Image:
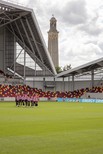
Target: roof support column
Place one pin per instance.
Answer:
(72, 82)
(54, 85)
(34, 74)
(63, 84)
(44, 88)
(68, 83)
(24, 65)
(4, 50)
(35, 66)
(92, 78)
(14, 56)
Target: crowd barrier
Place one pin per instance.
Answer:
(12, 99)
(81, 100)
(7, 99)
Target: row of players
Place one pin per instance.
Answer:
(26, 100)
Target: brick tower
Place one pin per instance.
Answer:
(53, 41)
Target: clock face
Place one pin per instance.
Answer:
(53, 24)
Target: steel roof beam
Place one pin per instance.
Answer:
(31, 32)
(31, 53)
(12, 20)
(27, 35)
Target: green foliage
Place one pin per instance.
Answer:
(58, 69)
(51, 128)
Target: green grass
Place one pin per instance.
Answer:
(51, 128)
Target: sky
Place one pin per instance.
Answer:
(80, 26)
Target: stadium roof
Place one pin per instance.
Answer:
(88, 67)
(22, 23)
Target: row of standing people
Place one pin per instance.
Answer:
(27, 100)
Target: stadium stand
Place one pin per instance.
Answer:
(21, 30)
(14, 90)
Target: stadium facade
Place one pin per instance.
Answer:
(19, 27)
(21, 40)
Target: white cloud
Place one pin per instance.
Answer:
(80, 26)
(74, 12)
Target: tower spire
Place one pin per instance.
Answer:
(53, 41)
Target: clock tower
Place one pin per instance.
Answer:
(53, 41)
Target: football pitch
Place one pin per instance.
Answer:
(51, 128)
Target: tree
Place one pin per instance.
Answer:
(58, 69)
(67, 67)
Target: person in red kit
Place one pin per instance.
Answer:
(36, 99)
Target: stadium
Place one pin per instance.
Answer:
(68, 116)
